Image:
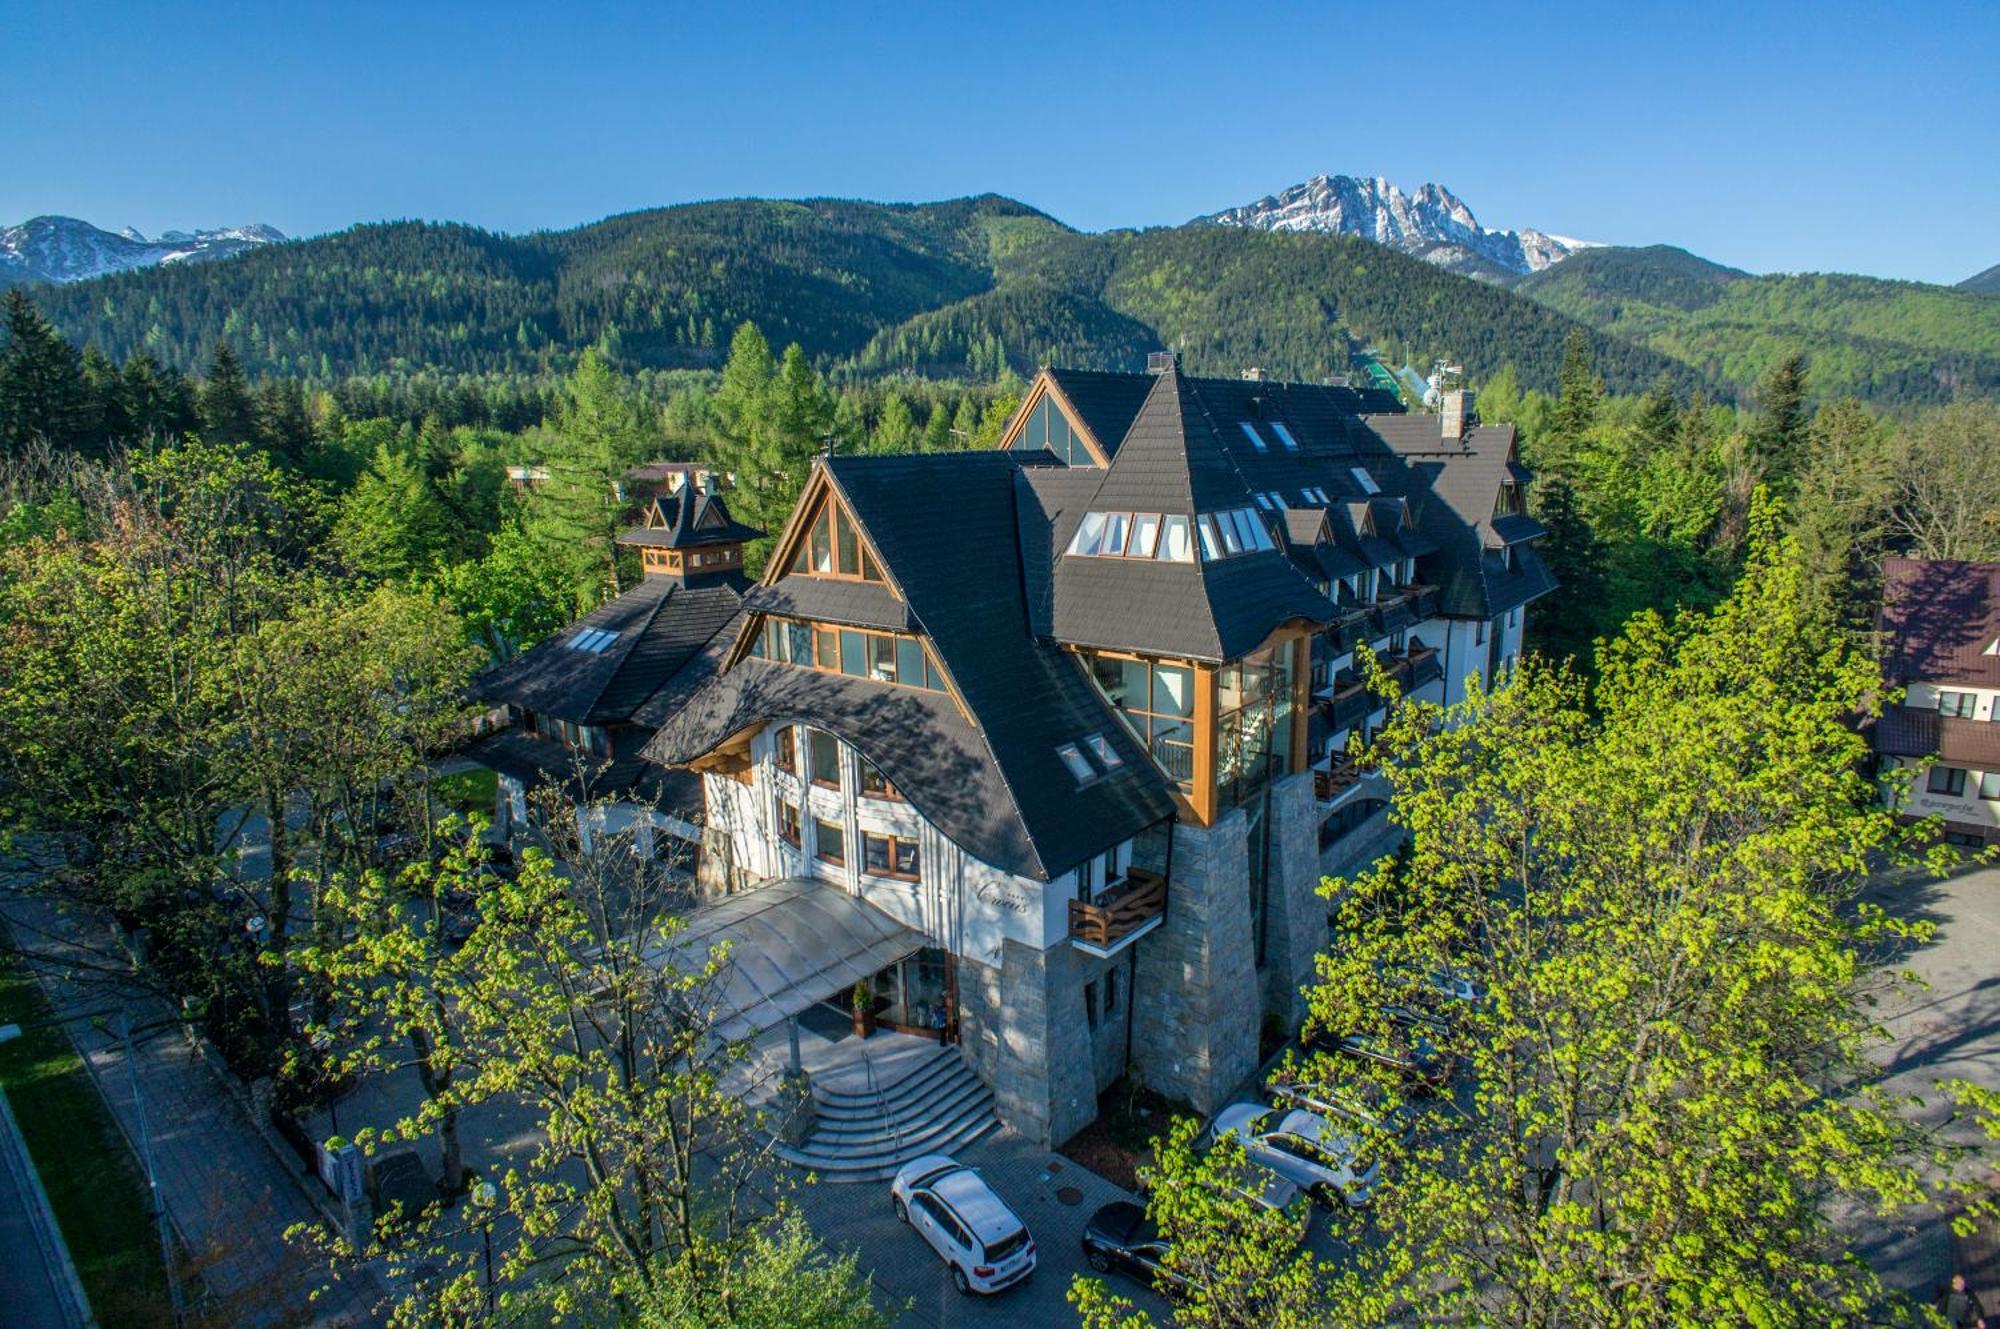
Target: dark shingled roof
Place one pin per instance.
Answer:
(536, 761)
(854, 604)
(689, 519)
(1105, 402)
(945, 527)
(661, 625)
(1940, 621)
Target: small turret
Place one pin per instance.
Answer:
(690, 537)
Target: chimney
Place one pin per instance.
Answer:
(1162, 362)
(1455, 412)
(1253, 374)
(705, 480)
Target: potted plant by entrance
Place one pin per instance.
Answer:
(864, 1009)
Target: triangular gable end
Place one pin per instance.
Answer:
(1030, 430)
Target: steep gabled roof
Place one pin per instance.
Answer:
(1941, 622)
(654, 629)
(1173, 462)
(1105, 403)
(689, 519)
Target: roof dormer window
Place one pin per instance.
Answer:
(1148, 535)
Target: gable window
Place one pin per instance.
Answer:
(825, 759)
(889, 856)
(829, 843)
(1047, 427)
(874, 784)
(1958, 705)
(788, 824)
(1256, 439)
(1284, 436)
(833, 547)
(1947, 780)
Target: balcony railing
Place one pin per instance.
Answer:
(1423, 600)
(1345, 773)
(1119, 912)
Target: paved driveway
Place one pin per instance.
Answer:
(1033, 1182)
(1947, 1029)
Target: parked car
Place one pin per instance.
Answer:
(1394, 1121)
(986, 1246)
(1329, 1162)
(1120, 1238)
(398, 1184)
(1415, 1054)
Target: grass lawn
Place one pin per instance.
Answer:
(468, 791)
(93, 1185)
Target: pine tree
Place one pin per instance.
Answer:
(895, 428)
(44, 397)
(1582, 390)
(574, 516)
(1659, 413)
(1778, 432)
(392, 525)
(937, 429)
(228, 415)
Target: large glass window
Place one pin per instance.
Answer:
(886, 657)
(833, 547)
(1253, 722)
(1959, 705)
(1157, 700)
(825, 759)
(1047, 427)
(1947, 780)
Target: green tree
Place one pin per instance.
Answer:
(44, 395)
(574, 516)
(1564, 623)
(392, 526)
(895, 428)
(228, 411)
(510, 598)
(1840, 513)
(1663, 1087)
(1778, 432)
(1580, 389)
(770, 423)
(1948, 490)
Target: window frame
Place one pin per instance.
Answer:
(896, 844)
(838, 858)
(813, 737)
(1964, 706)
(789, 825)
(1951, 786)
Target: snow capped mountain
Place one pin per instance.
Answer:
(1433, 224)
(63, 249)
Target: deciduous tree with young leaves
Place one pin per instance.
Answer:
(1659, 1091)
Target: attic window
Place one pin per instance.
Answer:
(1365, 480)
(1148, 535)
(1284, 436)
(1227, 534)
(1078, 764)
(1256, 439)
(592, 640)
(1264, 502)
(1277, 500)
(1105, 755)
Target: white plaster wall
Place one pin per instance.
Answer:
(1971, 810)
(1924, 697)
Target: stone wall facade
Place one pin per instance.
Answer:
(1024, 1030)
(1295, 929)
(1195, 1035)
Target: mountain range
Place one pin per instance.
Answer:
(1434, 224)
(64, 249)
(1295, 285)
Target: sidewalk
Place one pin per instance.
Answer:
(229, 1197)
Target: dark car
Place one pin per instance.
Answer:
(1119, 1237)
(399, 1185)
(1412, 1052)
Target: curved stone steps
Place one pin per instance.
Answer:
(940, 1106)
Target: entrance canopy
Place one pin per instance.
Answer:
(793, 943)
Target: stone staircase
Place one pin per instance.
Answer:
(865, 1134)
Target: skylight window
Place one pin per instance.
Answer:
(1101, 749)
(1365, 480)
(1256, 439)
(1277, 501)
(1078, 764)
(1264, 502)
(592, 640)
(1284, 436)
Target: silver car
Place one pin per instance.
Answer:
(1325, 1160)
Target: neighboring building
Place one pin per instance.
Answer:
(580, 705)
(1074, 712)
(1941, 644)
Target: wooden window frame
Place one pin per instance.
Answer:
(834, 513)
(820, 826)
(789, 813)
(894, 841)
(888, 792)
(825, 640)
(813, 736)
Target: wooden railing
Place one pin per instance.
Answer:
(1116, 914)
(1331, 784)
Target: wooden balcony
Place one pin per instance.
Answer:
(1119, 913)
(1344, 774)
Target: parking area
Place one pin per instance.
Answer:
(1053, 1195)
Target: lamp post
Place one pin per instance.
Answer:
(485, 1198)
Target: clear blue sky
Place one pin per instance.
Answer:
(1829, 136)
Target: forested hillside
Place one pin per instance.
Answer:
(1888, 342)
(955, 289)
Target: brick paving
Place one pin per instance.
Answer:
(1030, 1180)
(230, 1198)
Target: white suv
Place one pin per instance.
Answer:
(986, 1246)
(1322, 1159)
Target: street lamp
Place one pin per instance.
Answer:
(485, 1198)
